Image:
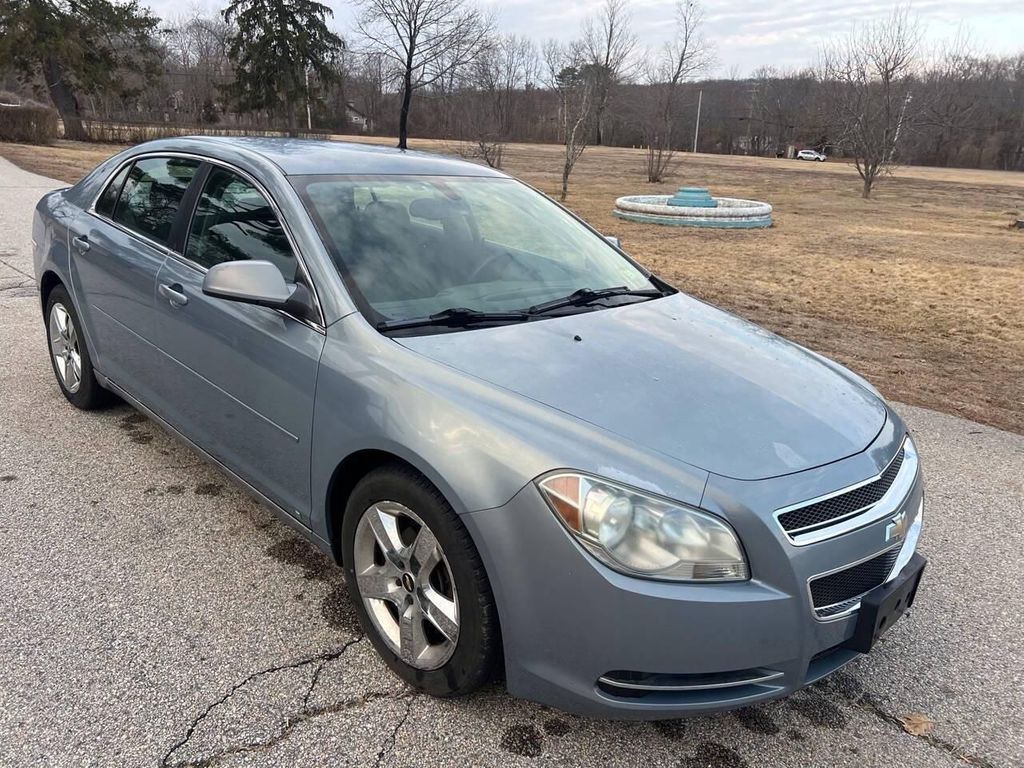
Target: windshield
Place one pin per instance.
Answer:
(413, 246)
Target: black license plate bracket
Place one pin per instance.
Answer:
(882, 607)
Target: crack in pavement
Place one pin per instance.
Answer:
(389, 743)
(866, 702)
(16, 269)
(24, 288)
(290, 724)
(316, 674)
(305, 714)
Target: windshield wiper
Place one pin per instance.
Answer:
(584, 296)
(453, 317)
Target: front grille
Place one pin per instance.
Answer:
(836, 508)
(838, 592)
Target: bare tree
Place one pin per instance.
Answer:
(371, 77)
(507, 68)
(425, 39)
(197, 64)
(1009, 151)
(681, 58)
(871, 71)
(951, 99)
(782, 112)
(609, 45)
(566, 76)
(491, 103)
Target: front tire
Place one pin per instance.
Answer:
(69, 355)
(418, 584)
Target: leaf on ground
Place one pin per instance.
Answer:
(916, 723)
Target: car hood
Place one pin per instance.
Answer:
(680, 377)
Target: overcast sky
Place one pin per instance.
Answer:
(745, 35)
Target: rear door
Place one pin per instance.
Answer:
(244, 376)
(117, 249)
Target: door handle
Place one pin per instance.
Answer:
(81, 243)
(175, 294)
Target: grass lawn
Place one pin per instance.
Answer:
(921, 288)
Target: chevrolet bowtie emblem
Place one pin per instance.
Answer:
(897, 527)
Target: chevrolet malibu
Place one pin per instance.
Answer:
(532, 457)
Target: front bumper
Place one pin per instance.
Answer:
(583, 638)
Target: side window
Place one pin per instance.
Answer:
(233, 220)
(106, 201)
(151, 195)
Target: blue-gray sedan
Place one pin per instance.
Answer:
(530, 455)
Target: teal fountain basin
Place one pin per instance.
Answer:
(692, 197)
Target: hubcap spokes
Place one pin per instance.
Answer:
(406, 585)
(67, 357)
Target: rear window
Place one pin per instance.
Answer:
(106, 202)
(152, 192)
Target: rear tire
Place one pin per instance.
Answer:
(418, 584)
(69, 355)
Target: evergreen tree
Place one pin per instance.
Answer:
(77, 47)
(276, 48)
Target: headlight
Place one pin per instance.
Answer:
(643, 535)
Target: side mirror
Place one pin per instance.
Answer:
(251, 282)
(614, 241)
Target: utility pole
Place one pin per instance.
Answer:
(309, 112)
(696, 129)
(754, 92)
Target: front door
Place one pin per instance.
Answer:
(243, 376)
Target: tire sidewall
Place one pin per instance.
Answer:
(89, 394)
(470, 663)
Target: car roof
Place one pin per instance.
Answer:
(299, 157)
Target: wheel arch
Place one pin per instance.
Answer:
(47, 283)
(344, 479)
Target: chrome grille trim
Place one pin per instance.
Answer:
(839, 610)
(759, 677)
(910, 543)
(845, 608)
(848, 605)
(890, 501)
(823, 513)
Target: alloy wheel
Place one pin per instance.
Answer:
(406, 585)
(67, 356)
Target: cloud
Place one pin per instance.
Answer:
(746, 36)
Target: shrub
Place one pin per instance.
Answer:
(135, 133)
(126, 133)
(32, 125)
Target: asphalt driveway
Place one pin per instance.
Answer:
(151, 613)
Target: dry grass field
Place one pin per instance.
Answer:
(921, 288)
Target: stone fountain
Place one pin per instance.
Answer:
(694, 207)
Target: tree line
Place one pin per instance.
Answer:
(443, 68)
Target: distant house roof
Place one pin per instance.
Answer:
(352, 108)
